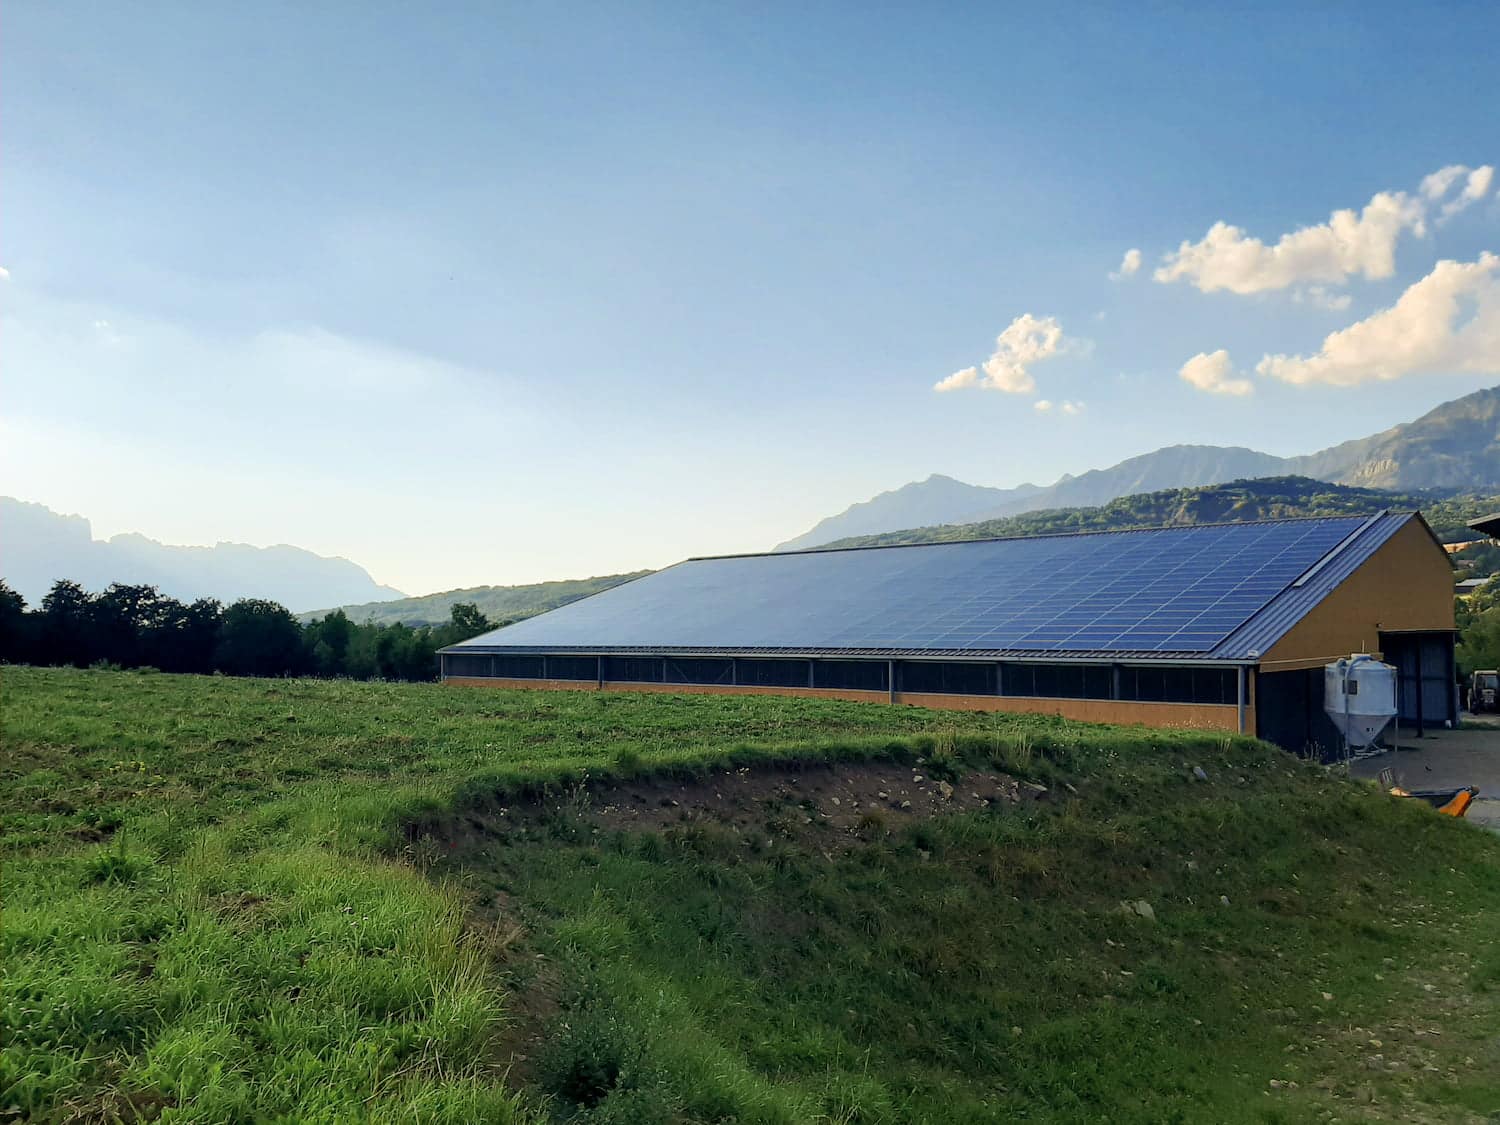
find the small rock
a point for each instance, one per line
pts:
(1326, 995)
(836, 801)
(906, 804)
(917, 778)
(945, 789)
(1199, 774)
(1223, 900)
(1141, 908)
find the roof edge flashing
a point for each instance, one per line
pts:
(1185, 527)
(1303, 578)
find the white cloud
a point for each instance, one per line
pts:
(965, 378)
(4, 274)
(1435, 185)
(1214, 372)
(1323, 298)
(1476, 183)
(1475, 187)
(1349, 244)
(1426, 331)
(1129, 266)
(1067, 406)
(1027, 340)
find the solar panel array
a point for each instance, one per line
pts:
(1165, 590)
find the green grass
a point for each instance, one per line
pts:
(259, 900)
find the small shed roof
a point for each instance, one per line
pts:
(1488, 525)
(1209, 593)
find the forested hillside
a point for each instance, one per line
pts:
(1269, 498)
(499, 603)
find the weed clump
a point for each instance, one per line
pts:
(116, 865)
(592, 1056)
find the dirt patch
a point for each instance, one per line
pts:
(855, 799)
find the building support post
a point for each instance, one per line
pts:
(1417, 655)
(890, 678)
(1239, 693)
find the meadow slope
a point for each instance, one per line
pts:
(328, 901)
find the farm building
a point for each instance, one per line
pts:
(1223, 627)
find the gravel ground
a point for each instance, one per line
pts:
(1469, 756)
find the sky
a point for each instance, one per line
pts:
(478, 294)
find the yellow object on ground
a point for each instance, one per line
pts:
(1449, 802)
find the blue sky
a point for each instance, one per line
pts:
(505, 293)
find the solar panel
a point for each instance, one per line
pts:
(1166, 590)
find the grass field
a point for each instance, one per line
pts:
(316, 901)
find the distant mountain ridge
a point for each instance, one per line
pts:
(41, 546)
(1455, 445)
(1448, 512)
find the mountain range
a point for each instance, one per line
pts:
(1454, 446)
(41, 546)
(1447, 511)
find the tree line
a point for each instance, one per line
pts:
(137, 626)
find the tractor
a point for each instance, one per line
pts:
(1484, 689)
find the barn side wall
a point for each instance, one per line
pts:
(1183, 716)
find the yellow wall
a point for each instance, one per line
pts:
(1406, 585)
(1191, 716)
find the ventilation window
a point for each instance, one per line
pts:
(947, 678)
(851, 675)
(773, 673)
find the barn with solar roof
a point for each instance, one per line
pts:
(1222, 627)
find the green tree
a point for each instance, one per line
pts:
(15, 640)
(185, 638)
(124, 618)
(259, 638)
(327, 643)
(67, 627)
(466, 621)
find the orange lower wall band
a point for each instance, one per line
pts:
(1188, 716)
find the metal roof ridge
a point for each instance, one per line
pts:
(1045, 535)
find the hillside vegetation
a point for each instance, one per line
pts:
(306, 900)
(498, 603)
(1271, 498)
